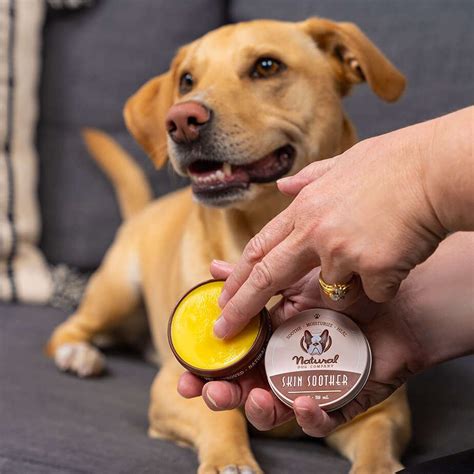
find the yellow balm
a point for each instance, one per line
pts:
(194, 344)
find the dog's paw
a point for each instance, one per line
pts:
(80, 358)
(230, 469)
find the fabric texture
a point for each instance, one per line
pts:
(70, 4)
(69, 286)
(54, 423)
(459, 463)
(24, 275)
(94, 59)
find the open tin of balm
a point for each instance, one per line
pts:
(318, 353)
(192, 340)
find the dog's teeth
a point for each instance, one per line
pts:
(227, 169)
(220, 174)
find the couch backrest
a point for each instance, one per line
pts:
(95, 59)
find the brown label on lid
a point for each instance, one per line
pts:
(324, 386)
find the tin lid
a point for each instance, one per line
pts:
(318, 353)
(192, 340)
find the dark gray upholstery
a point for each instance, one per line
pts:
(51, 423)
(94, 59)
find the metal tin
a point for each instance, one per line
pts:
(245, 362)
(318, 353)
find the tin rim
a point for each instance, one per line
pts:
(248, 361)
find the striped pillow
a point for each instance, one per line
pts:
(24, 274)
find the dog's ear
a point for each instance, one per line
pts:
(324, 337)
(145, 112)
(307, 338)
(355, 58)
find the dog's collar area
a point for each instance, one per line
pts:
(208, 176)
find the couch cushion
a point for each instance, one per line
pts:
(430, 41)
(94, 59)
(54, 423)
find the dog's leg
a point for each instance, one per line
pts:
(375, 441)
(220, 438)
(111, 295)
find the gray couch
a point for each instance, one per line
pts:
(93, 60)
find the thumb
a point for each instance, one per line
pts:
(292, 185)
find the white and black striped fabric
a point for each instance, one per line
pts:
(24, 274)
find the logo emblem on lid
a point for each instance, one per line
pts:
(316, 343)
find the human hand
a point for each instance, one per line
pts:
(395, 356)
(364, 212)
(408, 334)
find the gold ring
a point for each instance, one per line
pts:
(336, 291)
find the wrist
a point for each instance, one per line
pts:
(448, 166)
(436, 302)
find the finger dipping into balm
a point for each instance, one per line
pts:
(321, 354)
(192, 340)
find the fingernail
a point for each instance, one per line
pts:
(222, 298)
(255, 406)
(221, 263)
(284, 180)
(209, 397)
(221, 328)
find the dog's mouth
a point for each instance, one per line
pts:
(213, 178)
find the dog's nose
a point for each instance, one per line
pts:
(184, 121)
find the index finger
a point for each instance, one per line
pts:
(255, 250)
(281, 268)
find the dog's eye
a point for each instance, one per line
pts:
(186, 83)
(266, 67)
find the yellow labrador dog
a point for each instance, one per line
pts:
(239, 108)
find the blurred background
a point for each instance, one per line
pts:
(89, 56)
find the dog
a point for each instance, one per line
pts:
(316, 344)
(239, 108)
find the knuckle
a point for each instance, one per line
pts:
(305, 242)
(381, 288)
(336, 249)
(377, 296)
(376, 268)
(255, 249)
(261, 276)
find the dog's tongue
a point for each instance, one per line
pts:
(208, 176)
(266, 167)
